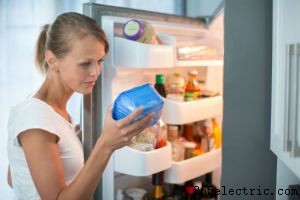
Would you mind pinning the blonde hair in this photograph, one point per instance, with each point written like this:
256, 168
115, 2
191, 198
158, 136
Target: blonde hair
59, 36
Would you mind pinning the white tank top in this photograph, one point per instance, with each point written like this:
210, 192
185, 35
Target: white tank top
36, 114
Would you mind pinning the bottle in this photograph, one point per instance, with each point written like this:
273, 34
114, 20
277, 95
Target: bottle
172, 133
178, 191
209, 191
158, 178
159, 84
161, 134
188, 131
217, 133
193, 85
157, 182
208, 142
140, 31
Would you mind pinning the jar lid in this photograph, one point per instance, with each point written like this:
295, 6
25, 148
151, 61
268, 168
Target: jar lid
133, 29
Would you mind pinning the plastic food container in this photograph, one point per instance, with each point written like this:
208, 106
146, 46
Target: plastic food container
144, 95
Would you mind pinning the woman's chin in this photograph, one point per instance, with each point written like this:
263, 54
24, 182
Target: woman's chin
85, 91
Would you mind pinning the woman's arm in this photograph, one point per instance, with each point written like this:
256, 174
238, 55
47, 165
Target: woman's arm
46, 168
9, 177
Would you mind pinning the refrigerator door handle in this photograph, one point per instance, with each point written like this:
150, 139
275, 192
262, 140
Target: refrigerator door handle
286, 130
292, 95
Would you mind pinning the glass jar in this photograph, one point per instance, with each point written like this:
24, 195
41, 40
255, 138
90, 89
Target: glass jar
172, 132
175, 84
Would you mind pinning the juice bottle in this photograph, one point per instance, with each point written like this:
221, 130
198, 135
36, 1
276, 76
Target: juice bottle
193, 86
217, 133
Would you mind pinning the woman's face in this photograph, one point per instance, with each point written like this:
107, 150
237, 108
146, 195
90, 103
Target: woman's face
80, 68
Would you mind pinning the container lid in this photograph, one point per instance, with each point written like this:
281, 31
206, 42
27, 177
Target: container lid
133, 29
159, 78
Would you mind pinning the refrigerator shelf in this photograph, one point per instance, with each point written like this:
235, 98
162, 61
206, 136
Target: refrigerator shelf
188, 169
191, 111
199, 63
137, 163
132, 54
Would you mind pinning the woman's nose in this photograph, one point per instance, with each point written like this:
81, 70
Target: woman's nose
95, 70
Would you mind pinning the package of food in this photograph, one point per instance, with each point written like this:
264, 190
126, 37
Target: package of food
144, 141
143, 95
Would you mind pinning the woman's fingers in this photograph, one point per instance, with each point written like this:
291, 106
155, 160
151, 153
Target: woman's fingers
127, 120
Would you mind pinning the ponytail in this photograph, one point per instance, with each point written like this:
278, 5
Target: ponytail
40, 50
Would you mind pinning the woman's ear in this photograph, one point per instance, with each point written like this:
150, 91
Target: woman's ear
51, 60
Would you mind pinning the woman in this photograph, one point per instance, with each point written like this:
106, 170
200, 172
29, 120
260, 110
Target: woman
45, 155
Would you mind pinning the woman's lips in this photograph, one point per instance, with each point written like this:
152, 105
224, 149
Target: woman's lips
90, 84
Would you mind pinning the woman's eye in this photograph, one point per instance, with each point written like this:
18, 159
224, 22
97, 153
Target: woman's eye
100, 61
87, 64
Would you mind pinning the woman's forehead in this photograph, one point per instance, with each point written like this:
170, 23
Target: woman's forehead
88, 46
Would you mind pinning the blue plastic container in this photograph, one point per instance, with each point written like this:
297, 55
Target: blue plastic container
144, 95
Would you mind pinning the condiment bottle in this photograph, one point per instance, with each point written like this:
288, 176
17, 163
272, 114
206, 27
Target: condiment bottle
217, 133
159, 84
193, 85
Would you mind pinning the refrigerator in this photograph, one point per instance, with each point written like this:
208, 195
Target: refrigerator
186, 44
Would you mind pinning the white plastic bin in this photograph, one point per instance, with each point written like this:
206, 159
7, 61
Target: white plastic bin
191, 111
137, 163
193, 167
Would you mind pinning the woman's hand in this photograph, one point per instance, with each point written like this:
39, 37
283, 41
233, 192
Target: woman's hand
117, 134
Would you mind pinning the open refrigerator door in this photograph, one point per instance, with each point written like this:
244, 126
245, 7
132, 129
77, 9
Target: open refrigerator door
182, 47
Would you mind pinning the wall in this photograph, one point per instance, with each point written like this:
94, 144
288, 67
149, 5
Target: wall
247, 159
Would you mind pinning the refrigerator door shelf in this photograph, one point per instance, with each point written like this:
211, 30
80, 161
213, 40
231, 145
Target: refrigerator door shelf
188, 169
137, 163
199, 63
191, 111
132, 54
